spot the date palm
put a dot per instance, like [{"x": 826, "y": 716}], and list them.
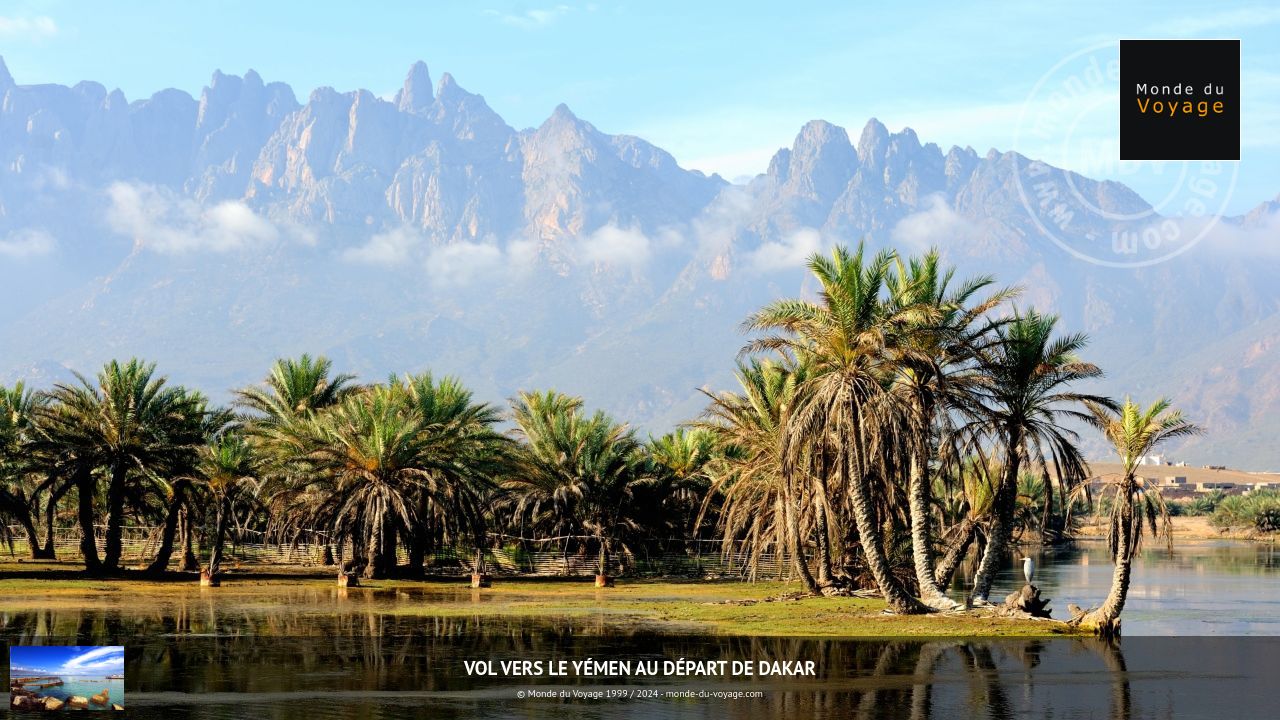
[
  {"x": 1024, "y": 400},
  {"x": 1133, "y": 432},
  {"x": 127, "y": 426},
  {"x": 227, "y": 472},
  {"x": 758, "y": 499},
  {"x": 18, "y": 488},
  {"x": 295, "y": 388},
  {"x": 579, "y": 473},
  {"x": 937, "y": 376},
  {"x": 853, "y": 344},
  {"x": 359, "y": 469}
]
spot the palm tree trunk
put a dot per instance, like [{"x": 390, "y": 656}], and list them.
[
  {"x": 85, "y": 515},
  {"x": 115, "y": 519},
  {"x": 1047, "y": 522},
  {"x": 50, "y": 552},
  {"x": 824, "y": 542},
  {"x": 1106, "y": 619},
  {"x": 796, "y": 547},
  {"x": 955, "y": 554},
  {"x": 1006, "y": 497},
  {"x": 922, "y": 536},
  {"x": 219, "y": 535},
  {"x": 868, "y": 533},
  {"x": 165, "y": 553},
  {"x": 189, "y": 561}
]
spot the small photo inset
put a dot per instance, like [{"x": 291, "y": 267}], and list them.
[{"x": 48, "y": 678}]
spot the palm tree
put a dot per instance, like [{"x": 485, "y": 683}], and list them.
[
  {"x": 1133, "y": 432},
  {"x": 938, "y": 374},
  {"x": 452, "y": 497},
  {"x": 359, "y": 469},
  {"x": 683, "y": 460},
  {"x": 18, "y": 495},
  {"x": 227, "y": 470},
  {"x": 579, "y": 473},
  {"x": 758, "y": 497},
  {"x": 296, "y": 388},
  {"x": 1023, "y": 403},
  {"x": 128, "y": 427},
  {"x": 852, "y": 342}
]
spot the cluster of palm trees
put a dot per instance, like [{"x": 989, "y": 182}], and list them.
[
  {"x": 882, "y": 431},
  {"x": 413, "y": 464},
  {"x": 902, "y": 417}
]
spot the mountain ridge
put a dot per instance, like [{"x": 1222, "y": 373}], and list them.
[{"x": 424, "y": 231}]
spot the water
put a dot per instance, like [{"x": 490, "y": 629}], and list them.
[
  {"x": 1215, "y": 587},
  {"x": 86, "y": 688},
  {"x": 311, "y": 652}
]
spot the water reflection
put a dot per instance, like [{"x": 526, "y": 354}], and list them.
[{"x": 379, "y": 665}]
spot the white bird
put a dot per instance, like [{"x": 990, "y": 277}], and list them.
[{"x": 1028, "y": 569}]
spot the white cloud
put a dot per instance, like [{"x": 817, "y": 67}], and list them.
[
  {"x": 793, "y": 251},
  {"x": 460, "y": 263},
  {"x": 612, "y": 245},
  {"x": 102, "y": 659},
  {"x": 168, "y": 223},
  {"x": 27, "y": 243},
  {"x": 530, "y": 19},
  {"x": 29, "y": 28},
  {"x": 936, "y": 225},
  {"x": 1250, "y": 17},
  {"x": 388, "y": 248}
]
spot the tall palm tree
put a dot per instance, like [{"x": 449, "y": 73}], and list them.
[
  {"x": 128, "y": 426},
  {"x": 937, "y": 376},
  {"x": 1024, "y": 400},
  {"x": 752, "y": 482},
  {"x": 580, "y": 472},
  {"x": 1133, "y": 432},
  {"x": 853, "y": 343}
]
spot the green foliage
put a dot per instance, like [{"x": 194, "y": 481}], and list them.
[{"x": 1257, "y": 512}]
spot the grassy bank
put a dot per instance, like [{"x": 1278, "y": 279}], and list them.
[{"x": 712, "y": 607}]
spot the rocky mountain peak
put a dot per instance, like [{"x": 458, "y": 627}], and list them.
[
  {"x": 416, "y": 95},
  {"x": 6, "y": 80},
  {"x": 873, "y": 141}
]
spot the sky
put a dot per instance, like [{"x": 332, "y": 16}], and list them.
[
  {"x": 69, "y": 661},
  {"x": 720, "y": 85}
]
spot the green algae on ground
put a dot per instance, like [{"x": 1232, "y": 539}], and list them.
[{"x": 723, "y": 607}]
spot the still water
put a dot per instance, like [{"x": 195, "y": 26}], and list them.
[
  {"x": 314, "y": 653},
  {"x": 1220, "y": 587}
]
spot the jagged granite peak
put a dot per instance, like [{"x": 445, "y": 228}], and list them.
[
  {"x": 416, "y": 95},
  {"x": 872, "y": 142},
  {"x": 6, "y": 80}
]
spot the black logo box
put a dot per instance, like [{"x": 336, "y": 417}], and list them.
[{"x": 1186, "y": 68}]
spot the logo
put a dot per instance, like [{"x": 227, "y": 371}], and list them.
[
  {"x": 1180, "y": 99},
  {"x": 1069, "y": 148}
]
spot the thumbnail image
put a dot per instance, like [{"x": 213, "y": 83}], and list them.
[{"x": 55, "y": 677}]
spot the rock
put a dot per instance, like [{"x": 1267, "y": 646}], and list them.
[
  {"x": 1028, "y": 600},
  {"x": 51, "y": 704},
  {"x": 99, "y": 699},
  {"x": 78, "y": 701},
  {"x": 117, "y": 707}
]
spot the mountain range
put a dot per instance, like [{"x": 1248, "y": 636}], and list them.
[{"x": 422, "y": 231}]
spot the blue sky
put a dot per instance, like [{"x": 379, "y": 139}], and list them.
[
  {"x": 720, "y": 85},
  {"x": 69, "y": 661}
]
